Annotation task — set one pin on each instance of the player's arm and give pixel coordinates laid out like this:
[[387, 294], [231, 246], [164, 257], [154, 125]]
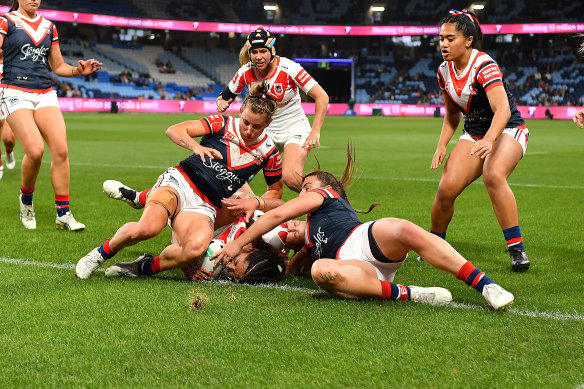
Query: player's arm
[[299, 263], [225, 99], [60, 68], [500, 105], [321, 101], [183, 133], [309, 202], [452, 117]]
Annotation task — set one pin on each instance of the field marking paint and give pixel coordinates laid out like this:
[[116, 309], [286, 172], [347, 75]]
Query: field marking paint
[[519, 312]]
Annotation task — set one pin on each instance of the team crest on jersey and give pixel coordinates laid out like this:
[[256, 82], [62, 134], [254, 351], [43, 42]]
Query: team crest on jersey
[[18, 23], [278, 88]]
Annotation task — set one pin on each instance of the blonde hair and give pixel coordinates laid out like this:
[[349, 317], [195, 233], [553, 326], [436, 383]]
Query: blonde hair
[[259, 101], [244, 55]]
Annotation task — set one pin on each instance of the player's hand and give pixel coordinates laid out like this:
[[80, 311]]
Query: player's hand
[[206, 152], [237, 206], [438, 157], [482, 148], [579, 118], [88, 66], [195, 272], [222, 105], [228, 252], [313, 141]]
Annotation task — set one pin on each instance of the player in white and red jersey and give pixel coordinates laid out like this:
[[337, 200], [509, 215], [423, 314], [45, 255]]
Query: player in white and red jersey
[[187, 196], [290, 128], [494, 137], [30, 51]]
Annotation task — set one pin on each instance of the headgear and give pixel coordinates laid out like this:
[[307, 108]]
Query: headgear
[[261, 38]]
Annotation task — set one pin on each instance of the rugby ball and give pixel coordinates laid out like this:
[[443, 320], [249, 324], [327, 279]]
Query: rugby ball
[[276, 237], [207, 261]]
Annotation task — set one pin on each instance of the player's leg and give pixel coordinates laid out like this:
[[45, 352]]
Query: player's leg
[[293, 159], [460, 170], [9, 142], [499, 165], [28, 135], [396, 236], [151, 223]]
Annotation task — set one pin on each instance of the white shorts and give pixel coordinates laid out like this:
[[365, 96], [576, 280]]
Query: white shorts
[[521, 135], [284, 132], [358, 247], [189, 200], [13, 99]]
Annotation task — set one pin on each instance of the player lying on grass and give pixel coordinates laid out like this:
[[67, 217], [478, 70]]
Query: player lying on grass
[[359, 260], [188, 196], [258, 262]]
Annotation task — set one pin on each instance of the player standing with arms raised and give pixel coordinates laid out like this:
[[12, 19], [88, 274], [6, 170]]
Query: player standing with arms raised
[[290, 128], [494, 137]]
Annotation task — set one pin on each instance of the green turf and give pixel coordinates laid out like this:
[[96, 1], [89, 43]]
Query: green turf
[[58, 331]]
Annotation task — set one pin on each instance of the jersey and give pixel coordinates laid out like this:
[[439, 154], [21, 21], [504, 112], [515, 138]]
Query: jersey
[[468, 91], [284, 83], [330, 225], [220, 178], [26, 48]]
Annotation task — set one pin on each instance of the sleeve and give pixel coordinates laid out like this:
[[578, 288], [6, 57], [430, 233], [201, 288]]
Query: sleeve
[[273, 167], [326, 193], [214, 123], [237, 83], [441, 82], [3, 26], [55, 39], [301, 77], [489, 75]]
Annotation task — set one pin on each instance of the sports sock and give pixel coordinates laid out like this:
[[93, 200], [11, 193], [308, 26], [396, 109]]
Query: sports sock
[[391, 291], [9, 150], [26, 195], [142, 196], [106, 251], [62, 204], [150, 266], [514, 238], [473, 276], [440, 234]]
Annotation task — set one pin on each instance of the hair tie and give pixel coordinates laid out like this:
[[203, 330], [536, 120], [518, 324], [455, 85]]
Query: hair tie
[[464, 12], [262, 96]]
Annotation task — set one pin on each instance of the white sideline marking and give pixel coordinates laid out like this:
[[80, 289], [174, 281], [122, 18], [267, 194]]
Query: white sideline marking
[[519, 312]]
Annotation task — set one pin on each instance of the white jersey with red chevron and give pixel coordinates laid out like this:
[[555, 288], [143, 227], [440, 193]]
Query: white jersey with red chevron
[[284, 82]]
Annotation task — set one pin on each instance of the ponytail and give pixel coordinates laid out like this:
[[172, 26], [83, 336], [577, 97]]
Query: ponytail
[[15, 5]]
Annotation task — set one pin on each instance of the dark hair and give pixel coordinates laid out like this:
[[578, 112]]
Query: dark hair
[[259, 100], [467, 23], [264, 267], [339, 186], [15, 6]]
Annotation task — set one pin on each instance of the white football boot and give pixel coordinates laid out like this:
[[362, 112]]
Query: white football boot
[[89, 264], [68, 222], [433, 295], [10, 160], [118, 191], [27, 216], [498, 297], [127, 269], [1, 171]]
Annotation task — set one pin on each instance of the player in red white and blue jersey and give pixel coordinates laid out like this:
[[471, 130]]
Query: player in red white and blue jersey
[[187, 196], [290, 128], [359, 260], [494, 137], [30, 52]]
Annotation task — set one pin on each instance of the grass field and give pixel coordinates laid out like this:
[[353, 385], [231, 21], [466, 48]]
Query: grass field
[[58, 331]]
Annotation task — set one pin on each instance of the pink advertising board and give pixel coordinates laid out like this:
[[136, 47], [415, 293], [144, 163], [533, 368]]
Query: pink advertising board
[[181, 25], [181, 106]]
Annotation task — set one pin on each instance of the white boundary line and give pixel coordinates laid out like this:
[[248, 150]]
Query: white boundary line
[[519, 312]]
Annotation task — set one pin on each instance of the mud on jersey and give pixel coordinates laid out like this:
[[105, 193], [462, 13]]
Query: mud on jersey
[[26, 47], [220, 178], [329, 226], [468, 91], [283, 83]]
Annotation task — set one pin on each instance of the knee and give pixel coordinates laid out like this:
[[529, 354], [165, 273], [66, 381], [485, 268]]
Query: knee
[[192, 250], [292, 179], [408, 233], [326, 275], [60, 154], [493, 179], [35, 153]]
